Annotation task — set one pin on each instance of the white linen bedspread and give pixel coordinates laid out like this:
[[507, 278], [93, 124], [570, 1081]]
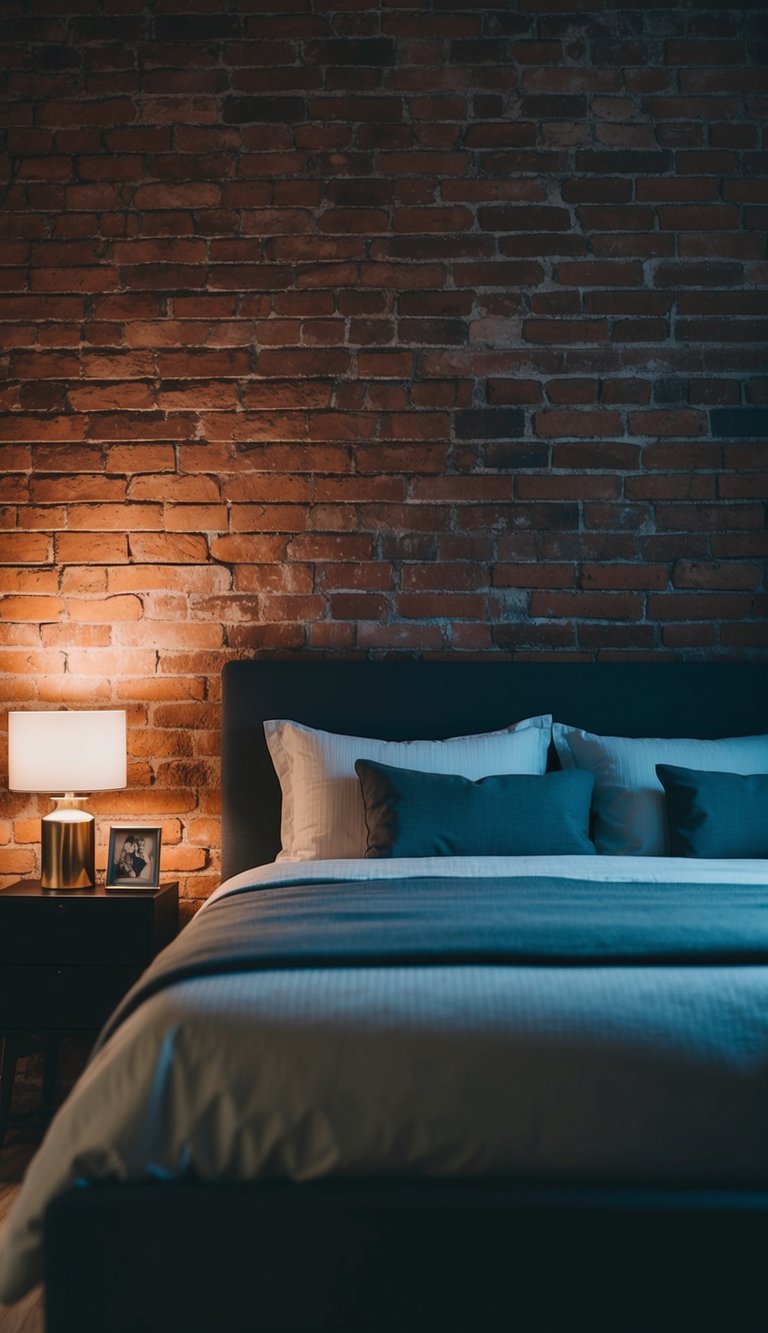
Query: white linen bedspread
[[612, 1073]]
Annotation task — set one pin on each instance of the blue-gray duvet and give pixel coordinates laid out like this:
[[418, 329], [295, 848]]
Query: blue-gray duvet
[[441, 921], [555, 1019]]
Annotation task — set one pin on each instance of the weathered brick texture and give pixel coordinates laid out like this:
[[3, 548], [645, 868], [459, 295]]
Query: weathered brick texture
[[369, 327]]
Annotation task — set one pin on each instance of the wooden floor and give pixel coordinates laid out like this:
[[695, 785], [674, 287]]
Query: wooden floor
[[28, 1316]]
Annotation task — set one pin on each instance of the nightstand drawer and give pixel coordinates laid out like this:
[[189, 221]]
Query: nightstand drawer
[[76, 930], [61, 997]]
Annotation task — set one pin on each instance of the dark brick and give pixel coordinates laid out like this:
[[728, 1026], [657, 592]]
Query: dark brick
[[541, 107], [670, 391], [187, 28], [524, 217], [253, 110], [738, 422], [620, 161], [698, 275], [348, 51], [489, 423], [513, 457], [483, 51]]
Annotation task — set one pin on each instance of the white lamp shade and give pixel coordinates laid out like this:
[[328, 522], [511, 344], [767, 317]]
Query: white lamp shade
[[77, 750]]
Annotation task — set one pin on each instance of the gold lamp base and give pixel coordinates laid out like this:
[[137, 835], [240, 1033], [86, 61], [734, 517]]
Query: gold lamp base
[[68, 844]]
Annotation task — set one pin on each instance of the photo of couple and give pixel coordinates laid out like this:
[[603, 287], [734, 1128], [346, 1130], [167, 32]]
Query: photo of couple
[[134, 857]]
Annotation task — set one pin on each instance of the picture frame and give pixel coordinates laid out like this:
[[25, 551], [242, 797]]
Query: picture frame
[[133, 858]]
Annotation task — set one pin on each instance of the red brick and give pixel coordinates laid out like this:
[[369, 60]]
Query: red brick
[[432, 219], [745, 635], [423, 457], [617, 575], [43, 516], [269, 518], [29, 580], [170, 635], [671, 486], [681, 422], [197, 195], [704, 606], [715, 574], [693, 635], [36, 609], [610, 455], [589, 605], [85, 548], [571, 487], [349, 109], [587, 424], [388, 363], [83, 579], [104, 611], [572, 391], [99, 278], [626, 391], [46, 428], [512, 391], [29, 549], [249, 549], [619, 518], [112, 517], [498, 273], [709, 518], [534, 575], [630, 218], [359, 606], [177, 549], [565, 331], [403, 637], [324, 546], [402, 276], [702, 217], [600, 273], [619, 642], [16, 862]]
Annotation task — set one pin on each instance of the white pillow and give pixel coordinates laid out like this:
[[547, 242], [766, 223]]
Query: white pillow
[[323, 812], [628, 809]]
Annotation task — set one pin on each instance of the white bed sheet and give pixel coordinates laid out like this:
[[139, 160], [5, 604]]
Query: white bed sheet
[[612, 1073]]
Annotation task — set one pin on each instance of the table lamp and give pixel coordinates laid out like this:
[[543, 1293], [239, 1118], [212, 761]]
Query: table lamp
[[77, 751]]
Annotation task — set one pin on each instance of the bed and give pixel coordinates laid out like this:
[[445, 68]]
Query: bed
[[359, 1133]]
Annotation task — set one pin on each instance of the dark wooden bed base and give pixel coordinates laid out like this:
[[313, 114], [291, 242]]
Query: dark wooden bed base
[[411, 1256]]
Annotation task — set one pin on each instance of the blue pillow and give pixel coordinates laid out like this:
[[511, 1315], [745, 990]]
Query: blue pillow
[[715, 814], [628, 802], [410, 813]]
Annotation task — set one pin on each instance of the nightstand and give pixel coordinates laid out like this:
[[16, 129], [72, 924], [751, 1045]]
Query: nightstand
[[66, 959]]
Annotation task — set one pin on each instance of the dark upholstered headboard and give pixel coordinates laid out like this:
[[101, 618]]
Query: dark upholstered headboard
[[401, 700]]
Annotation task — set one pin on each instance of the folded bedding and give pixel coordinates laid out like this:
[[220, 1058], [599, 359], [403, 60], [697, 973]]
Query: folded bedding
[[549, 1018], [438, 921]]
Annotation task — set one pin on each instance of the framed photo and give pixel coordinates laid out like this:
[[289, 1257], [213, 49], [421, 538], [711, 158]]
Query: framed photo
[[133, 861]]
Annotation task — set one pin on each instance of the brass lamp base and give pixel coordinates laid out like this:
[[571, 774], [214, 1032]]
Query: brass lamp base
[[68, 845]]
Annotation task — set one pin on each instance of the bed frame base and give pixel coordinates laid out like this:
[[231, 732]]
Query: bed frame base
[[370, 1256]]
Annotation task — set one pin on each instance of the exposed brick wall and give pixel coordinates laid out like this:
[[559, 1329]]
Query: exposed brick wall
[[355, 327]]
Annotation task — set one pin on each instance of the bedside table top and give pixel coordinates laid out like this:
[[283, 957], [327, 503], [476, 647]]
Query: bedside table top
[[30, 888]]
